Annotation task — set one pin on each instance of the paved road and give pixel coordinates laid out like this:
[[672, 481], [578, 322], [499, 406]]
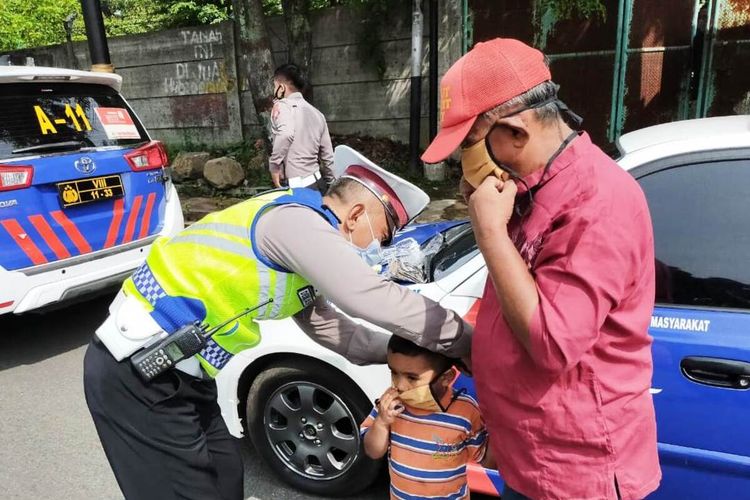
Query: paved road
[[49, 447]]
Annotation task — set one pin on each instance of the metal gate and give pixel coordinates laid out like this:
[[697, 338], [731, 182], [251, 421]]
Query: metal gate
[[641, 63], [724, 77]]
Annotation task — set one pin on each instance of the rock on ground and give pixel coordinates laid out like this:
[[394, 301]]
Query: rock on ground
[[188, 166], [223, 173]]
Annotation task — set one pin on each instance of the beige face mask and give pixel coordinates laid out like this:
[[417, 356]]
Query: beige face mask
[[420, 397], [477, 165]]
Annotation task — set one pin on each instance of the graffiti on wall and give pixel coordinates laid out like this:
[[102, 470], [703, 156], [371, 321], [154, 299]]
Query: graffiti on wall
[[207, 74]]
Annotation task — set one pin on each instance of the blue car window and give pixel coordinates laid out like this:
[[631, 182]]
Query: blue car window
[[702, 233], [44, 113]]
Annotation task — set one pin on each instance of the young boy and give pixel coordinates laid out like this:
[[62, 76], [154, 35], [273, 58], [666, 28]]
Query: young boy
[[430, 430]]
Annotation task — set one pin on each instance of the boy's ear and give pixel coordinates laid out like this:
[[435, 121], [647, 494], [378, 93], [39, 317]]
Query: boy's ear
[[447, 377]]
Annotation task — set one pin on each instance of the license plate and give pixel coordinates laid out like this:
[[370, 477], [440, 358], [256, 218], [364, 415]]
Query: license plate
[[83, 191]]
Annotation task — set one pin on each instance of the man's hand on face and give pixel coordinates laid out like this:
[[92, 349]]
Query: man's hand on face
[[491, 206]]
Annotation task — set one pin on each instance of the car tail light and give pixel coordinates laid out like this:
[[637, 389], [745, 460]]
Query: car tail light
[[15, 177], [148, 157]]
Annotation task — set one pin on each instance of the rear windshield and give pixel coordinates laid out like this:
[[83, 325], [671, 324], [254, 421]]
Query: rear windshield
[[37, 114]]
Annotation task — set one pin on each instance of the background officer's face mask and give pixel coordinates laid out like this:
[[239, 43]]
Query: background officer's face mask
[[372, 254], [476, 164]]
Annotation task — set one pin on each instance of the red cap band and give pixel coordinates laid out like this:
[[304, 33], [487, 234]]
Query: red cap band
[[387, 196]]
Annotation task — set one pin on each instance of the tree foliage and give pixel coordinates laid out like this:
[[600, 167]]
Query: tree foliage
[[34, 23], [547, 13], [25, 23], [126, 17]]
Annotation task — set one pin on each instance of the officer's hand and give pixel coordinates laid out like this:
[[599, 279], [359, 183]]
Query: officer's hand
[[389, 407], [276, 179]]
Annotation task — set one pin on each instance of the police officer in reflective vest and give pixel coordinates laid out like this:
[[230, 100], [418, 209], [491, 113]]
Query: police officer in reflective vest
[[166, 438]]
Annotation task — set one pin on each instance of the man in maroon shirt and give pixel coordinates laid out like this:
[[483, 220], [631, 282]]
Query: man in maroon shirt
[[561, 351]]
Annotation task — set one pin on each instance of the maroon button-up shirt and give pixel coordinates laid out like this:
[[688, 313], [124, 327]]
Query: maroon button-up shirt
[[575, 414]]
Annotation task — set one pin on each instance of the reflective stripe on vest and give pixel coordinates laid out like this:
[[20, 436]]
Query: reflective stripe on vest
[[210, 272]]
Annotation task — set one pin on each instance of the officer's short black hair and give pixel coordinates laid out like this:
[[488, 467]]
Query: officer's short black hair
[[292, 74], [400, 345], [346, 189]]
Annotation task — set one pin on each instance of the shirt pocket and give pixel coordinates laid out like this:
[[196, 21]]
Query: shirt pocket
[[574, 424], [574, 441]]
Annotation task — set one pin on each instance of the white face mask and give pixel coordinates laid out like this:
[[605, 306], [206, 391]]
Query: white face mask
[[372, 254]]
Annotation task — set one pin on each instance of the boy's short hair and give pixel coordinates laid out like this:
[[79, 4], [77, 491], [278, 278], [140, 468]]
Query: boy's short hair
[[400, 345]]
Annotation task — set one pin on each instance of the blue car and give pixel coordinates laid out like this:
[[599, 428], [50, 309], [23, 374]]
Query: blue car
[[696, 177], [84, 191]]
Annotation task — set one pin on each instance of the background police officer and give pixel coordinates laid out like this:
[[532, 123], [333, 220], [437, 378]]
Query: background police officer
[[166, 438], [302, 155]]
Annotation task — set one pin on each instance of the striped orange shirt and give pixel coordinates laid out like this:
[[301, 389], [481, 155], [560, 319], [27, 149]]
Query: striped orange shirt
[[428, 452]]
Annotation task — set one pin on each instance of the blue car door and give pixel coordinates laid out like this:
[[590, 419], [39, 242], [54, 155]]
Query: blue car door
[[700, 207]]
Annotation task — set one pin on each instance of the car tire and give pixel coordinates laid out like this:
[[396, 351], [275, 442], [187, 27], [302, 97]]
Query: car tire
[[303, 418]]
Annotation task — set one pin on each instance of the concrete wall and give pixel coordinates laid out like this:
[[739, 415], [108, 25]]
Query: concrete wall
[[184, 85]]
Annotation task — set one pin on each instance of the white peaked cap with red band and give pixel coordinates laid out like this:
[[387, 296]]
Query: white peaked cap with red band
[[403, 201]]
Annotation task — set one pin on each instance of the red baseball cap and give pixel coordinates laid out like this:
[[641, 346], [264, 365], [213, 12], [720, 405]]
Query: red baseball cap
[[490, 74]]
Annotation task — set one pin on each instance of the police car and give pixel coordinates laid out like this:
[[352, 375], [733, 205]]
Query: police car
[[83, 188], [301, 404]]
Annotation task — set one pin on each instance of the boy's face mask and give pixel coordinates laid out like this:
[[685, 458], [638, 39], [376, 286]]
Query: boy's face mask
[[476, 164], [423, 397]]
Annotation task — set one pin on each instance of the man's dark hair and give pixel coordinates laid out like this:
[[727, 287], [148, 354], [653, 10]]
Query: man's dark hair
[[400, 345], [292, 74]]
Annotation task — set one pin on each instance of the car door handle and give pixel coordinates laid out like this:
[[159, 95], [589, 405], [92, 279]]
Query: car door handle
[[717, 372]]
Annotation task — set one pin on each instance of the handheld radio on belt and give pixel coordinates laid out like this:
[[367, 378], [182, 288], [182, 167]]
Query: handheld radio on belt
[[187, 341]]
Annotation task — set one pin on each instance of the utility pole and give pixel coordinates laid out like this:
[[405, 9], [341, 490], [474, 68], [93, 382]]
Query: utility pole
[[415, 115], [433, 106], [97, 38]]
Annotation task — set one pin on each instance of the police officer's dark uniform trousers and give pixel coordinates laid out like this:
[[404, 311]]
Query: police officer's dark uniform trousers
[[170, 459]]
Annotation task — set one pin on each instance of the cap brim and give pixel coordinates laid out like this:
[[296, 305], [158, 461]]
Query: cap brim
[[447, 141]]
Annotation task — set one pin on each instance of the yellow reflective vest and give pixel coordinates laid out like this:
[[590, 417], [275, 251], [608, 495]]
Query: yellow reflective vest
[[212, 271]]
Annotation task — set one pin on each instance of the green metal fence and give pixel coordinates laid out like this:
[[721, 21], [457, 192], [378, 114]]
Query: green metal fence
[[641, 63]]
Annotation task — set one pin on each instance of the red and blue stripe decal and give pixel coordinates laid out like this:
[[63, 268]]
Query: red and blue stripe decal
[[485, 481], [47, 237]]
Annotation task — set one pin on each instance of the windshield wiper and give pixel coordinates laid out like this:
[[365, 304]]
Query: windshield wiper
[[53, 146]]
